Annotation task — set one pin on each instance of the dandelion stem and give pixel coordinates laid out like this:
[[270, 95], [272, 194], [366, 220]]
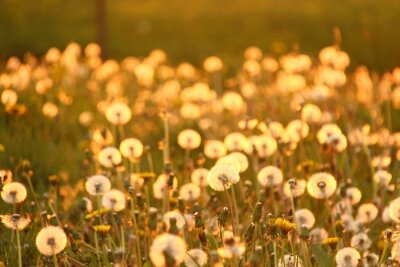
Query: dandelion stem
[[274, 201], [231, 210], [221, 230], [139, 252], [55, 214], [19, 248], [384, 252], [275, 254], [235, 205], [193, 259], [98, 200], [166, 136], [96, 242], [55, 260], [371, 168], [122, 242], [28, 177]]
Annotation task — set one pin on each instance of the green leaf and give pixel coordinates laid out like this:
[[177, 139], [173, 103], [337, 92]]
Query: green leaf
[[321, 256], [147, 264]]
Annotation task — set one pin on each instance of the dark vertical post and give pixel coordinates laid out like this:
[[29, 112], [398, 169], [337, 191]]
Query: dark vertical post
[[101, 25]]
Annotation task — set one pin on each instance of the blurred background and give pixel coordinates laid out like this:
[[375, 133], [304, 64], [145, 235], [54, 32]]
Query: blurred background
[[192, 30]]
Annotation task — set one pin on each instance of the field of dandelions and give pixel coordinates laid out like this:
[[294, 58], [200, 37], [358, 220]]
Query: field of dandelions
[[289, 161]]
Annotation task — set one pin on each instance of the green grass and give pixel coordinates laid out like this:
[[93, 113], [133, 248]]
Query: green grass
[[192, 31]]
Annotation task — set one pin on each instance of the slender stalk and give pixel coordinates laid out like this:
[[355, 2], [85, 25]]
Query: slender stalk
[[193, 259], [231, 210], [166, 136], [28, 177], [19, 249], [221, 230], [55, 214], [371, 168], [150, 162], [138, 250], [235, 205], [384, 252], [306, 254], [55, 260], [96, 242], [274, 201], [99, 205], [122, 242]]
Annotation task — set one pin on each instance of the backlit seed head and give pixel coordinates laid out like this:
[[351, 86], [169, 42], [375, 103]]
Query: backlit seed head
[[51, 240], [13, 193]]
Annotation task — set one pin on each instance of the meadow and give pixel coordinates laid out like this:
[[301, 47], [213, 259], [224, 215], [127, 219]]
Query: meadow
[[257, 133], [288, 162]]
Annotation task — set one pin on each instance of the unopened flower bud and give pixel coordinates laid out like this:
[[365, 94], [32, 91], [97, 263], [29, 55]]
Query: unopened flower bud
[[223, 216]]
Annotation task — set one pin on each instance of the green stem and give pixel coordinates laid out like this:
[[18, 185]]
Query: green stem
[[231, 210], [166, 148], [384, 252], [96, 242], [139, 252], [275, 255], [235, 205], [19, 249], [55, 260], [122, 242]]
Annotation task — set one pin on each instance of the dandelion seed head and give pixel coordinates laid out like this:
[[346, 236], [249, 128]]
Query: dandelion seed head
[[321, 185], [221, 177], [118, 113], [190, 191], [189, 139], [296, 189], [13, 193], [167, 244], [214, 149], [270, 176], [367, 212], [51, 240], [195, 258], [114, 200], [109, 157], [347, 257], [199, 177], [304, 217], [15, 221], [131, 148], [97, 185]]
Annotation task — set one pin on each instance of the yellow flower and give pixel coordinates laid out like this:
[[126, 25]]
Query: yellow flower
[[102, 228], [284, 225], [96, 213], [330, 241]]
